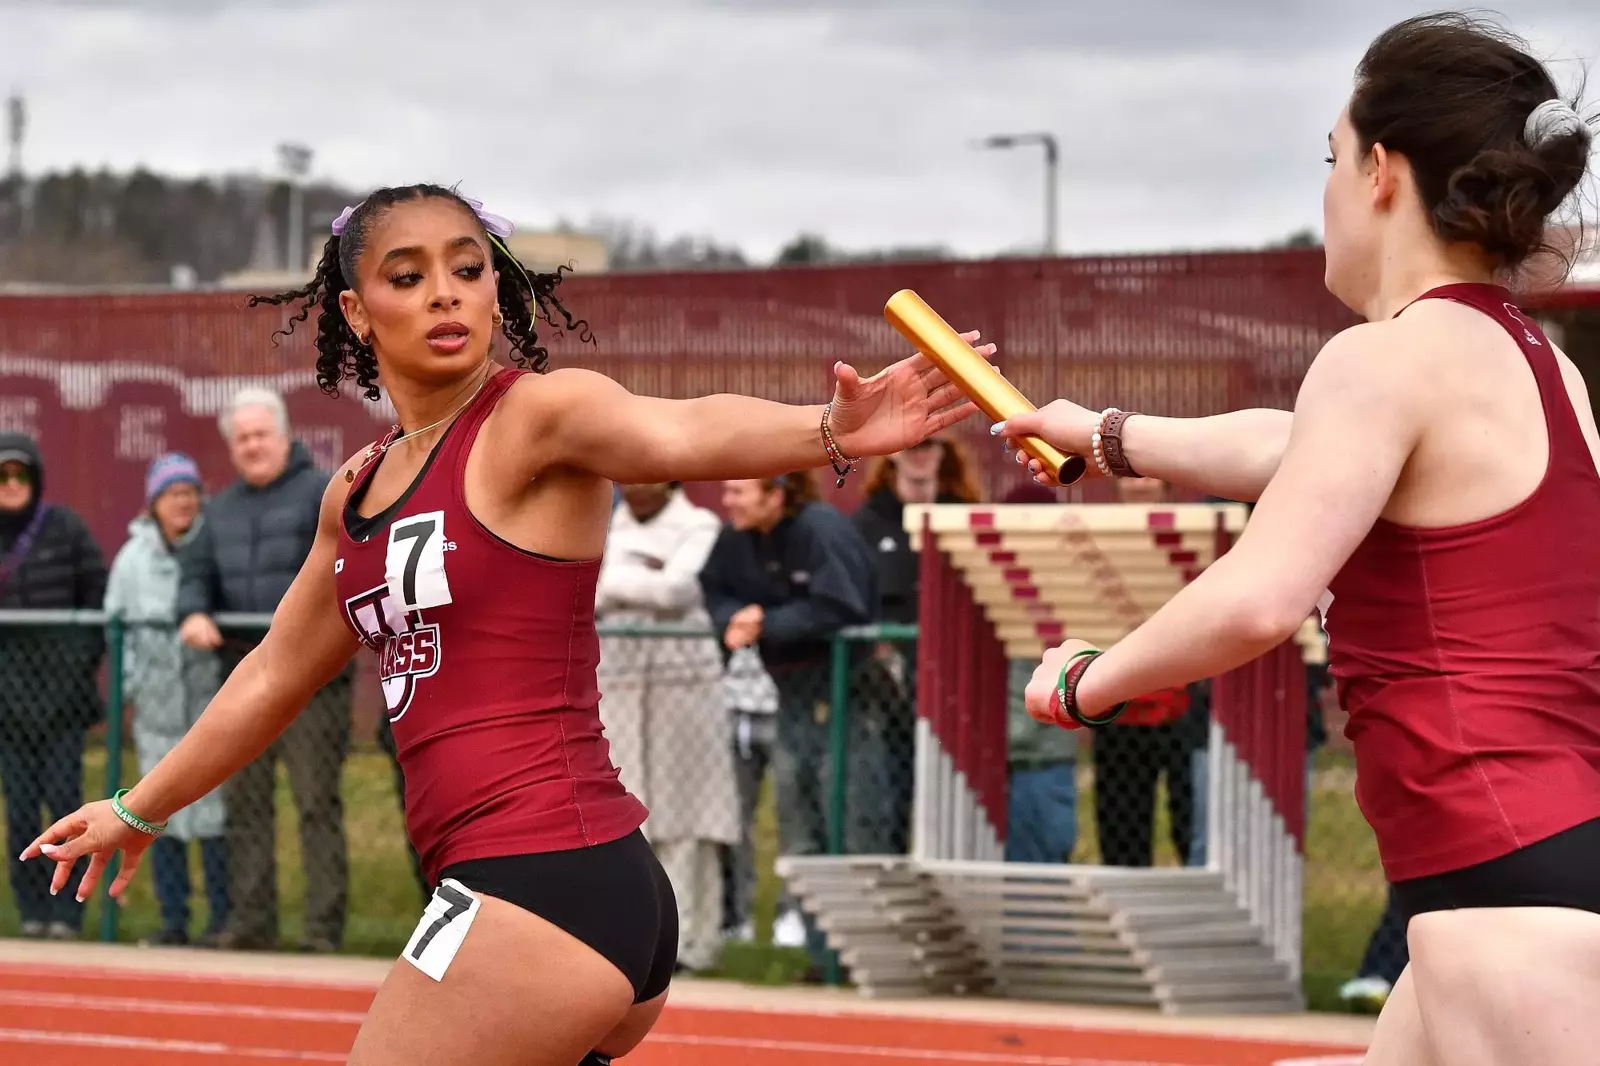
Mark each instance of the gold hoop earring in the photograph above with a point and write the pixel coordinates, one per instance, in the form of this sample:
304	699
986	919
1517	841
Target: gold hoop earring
499	319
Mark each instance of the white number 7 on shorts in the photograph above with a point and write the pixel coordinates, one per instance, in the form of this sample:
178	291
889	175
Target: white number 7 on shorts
443	927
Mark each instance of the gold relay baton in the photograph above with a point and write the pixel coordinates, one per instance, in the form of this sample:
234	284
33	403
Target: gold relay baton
972	374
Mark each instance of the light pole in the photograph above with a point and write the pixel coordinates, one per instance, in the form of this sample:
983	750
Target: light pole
296	162
1052	158
16	128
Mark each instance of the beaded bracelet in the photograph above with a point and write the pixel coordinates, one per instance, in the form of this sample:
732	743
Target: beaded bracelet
1106	442
1065	697
133	819
840	462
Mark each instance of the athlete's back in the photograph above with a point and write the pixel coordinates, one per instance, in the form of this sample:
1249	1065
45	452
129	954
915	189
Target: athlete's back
1465	632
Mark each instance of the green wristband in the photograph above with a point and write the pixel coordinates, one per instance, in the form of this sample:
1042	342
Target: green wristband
133	819
1071	709
1061	679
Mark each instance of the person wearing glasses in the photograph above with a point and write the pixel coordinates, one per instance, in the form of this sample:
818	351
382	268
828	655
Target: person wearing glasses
48	698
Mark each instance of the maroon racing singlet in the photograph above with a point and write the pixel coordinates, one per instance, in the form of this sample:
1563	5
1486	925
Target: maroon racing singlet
1468	657
487	657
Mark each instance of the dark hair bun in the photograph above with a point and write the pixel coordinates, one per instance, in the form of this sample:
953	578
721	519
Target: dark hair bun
1493	152
1501	199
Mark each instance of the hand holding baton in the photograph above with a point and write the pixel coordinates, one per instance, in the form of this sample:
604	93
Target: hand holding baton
972	374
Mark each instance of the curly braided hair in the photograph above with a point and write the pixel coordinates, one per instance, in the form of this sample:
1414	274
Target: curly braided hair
524	296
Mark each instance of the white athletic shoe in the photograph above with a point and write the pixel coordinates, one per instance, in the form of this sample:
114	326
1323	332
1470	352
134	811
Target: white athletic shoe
1365	993
789	931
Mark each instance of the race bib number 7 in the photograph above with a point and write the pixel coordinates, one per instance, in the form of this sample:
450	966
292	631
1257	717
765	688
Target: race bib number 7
414	565
443	927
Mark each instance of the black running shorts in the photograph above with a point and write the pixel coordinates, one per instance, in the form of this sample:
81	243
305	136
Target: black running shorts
1559	871
614	897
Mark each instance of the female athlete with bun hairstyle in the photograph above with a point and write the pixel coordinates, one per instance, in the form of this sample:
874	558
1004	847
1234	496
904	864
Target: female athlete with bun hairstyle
1435	493
464	551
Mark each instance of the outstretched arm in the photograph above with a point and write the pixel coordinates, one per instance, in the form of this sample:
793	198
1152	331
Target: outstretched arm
1358	417
306	647
587	421
1231	456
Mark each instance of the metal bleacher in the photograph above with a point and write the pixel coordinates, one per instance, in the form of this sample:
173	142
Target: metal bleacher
951	918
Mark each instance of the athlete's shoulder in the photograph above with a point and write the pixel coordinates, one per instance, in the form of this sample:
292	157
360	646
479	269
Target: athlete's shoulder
1374	355
559	388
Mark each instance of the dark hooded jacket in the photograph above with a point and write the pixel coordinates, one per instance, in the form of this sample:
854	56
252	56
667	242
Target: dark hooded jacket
47	672
812	574
881	523
254	542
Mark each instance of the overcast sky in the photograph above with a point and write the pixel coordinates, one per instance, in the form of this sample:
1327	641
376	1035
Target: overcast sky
1183	123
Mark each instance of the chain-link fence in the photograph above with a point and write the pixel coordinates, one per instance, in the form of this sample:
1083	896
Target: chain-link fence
306	848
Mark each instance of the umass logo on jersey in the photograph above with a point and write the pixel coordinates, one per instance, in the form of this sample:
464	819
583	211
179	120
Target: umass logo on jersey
407	647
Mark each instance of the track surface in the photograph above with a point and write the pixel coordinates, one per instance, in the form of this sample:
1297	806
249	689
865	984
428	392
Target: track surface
86	1016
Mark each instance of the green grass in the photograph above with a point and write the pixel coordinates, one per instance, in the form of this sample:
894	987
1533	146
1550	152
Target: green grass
1344	887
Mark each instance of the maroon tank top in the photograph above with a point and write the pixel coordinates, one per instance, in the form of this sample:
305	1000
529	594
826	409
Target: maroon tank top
1468	657
487	657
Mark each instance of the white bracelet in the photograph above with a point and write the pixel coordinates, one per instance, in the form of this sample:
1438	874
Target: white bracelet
1095	445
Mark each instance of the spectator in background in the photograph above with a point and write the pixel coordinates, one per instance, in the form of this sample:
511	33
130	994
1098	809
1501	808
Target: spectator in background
257	534
1041	759
1154	737
935	471
751	698
48	695
168	684
787	574
662	703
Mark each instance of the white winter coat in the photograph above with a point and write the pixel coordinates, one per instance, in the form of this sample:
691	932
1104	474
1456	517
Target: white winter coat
662	703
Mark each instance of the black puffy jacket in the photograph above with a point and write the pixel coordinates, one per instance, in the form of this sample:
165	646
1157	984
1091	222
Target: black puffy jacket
48	672
254	542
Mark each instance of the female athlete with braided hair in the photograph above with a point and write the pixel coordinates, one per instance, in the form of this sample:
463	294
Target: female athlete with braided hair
464	551
1435	492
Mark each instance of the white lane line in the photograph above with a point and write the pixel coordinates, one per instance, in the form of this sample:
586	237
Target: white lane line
56	1038
137	1005
1003	1058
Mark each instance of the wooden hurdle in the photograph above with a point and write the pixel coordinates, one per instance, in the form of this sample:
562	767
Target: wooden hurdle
951	917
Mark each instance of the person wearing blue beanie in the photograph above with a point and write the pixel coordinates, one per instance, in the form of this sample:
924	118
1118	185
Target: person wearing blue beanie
168	685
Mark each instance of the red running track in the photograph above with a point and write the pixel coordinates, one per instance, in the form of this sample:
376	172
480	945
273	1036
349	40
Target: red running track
90	1017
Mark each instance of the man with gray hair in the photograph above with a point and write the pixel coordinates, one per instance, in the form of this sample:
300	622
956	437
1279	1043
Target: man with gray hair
257	534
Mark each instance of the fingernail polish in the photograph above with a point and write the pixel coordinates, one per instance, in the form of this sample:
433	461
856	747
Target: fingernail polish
54	890
997	429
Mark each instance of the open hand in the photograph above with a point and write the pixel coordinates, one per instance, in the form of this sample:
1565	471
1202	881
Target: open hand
898	407
93	830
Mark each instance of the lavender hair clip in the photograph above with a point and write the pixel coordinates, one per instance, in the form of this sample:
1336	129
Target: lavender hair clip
498	225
